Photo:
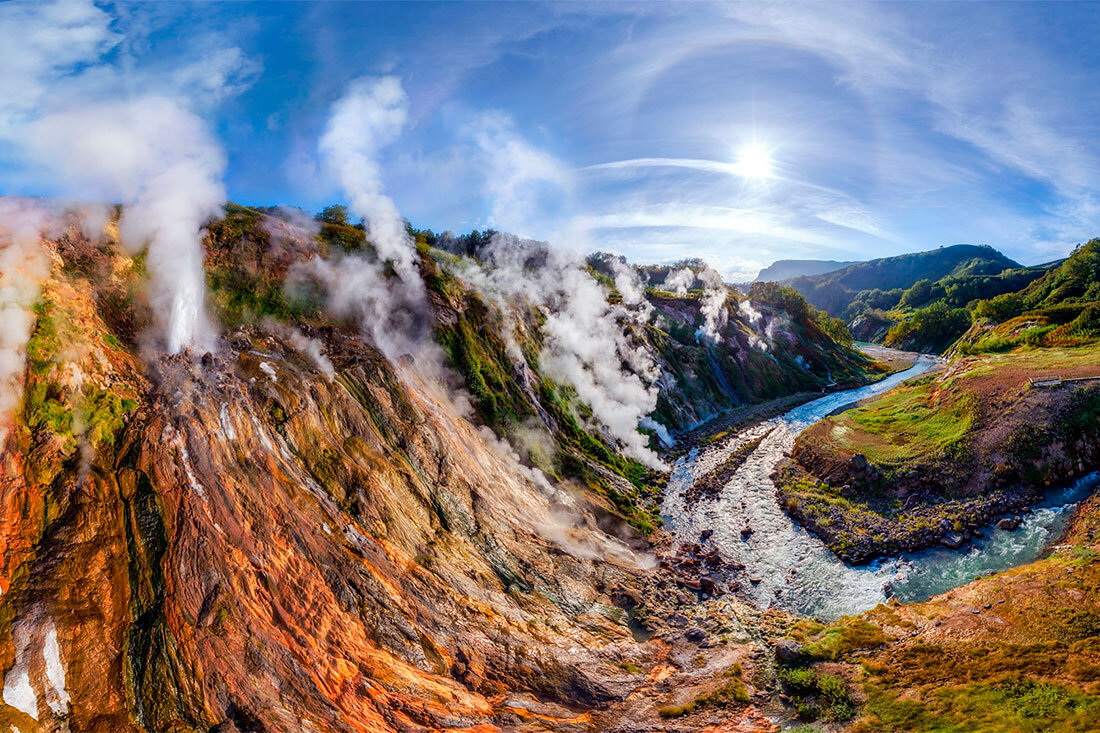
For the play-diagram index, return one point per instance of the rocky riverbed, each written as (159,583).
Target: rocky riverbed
(788,567)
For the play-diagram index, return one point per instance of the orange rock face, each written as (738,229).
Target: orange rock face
(253,540)
(259,547)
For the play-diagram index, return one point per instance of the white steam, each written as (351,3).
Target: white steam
(23,266)
(756,320)
(713,306)
(394,310)
(678,281)
(159,160)
(632,290)
(587,341)
(754,316)
(309,347)
(367,118)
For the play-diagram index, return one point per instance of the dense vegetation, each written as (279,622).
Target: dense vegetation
(875,282)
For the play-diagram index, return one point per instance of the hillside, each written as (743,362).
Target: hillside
(786,269)
(1061,308)
(945,454)
(836,291)
(930,316)
(1044,305)
(298,531)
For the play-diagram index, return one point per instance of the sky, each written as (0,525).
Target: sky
(738,133)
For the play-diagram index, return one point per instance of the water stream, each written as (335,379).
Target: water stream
(796,571)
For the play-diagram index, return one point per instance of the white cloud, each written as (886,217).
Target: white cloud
(529,188)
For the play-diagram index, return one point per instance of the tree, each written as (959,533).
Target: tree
(919,293)
(334,214)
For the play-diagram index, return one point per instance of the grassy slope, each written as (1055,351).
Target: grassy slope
(1047,305)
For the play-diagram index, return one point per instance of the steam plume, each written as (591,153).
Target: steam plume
(366,119)
(160,161)
(679,281)
(585,342)
(712,305)
(23,266)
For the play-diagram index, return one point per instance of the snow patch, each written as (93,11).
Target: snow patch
(56,696)
(18,692)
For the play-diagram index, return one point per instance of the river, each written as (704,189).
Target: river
(796,571)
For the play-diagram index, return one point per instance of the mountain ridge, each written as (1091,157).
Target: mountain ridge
(781,270)
(834,291)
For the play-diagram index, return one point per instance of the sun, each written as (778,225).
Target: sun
(754,161)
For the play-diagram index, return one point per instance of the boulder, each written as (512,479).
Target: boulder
(788,651)
(695,634)
(954,540)
(1008,523)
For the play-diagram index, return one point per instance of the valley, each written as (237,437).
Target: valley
(534,367)
(306,528)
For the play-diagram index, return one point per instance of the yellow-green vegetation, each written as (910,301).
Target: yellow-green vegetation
(917,419)
(935,414)
(55,402)
(1008,703)
(1017,651)
(243,277)
(817,694)
(945,453)
(725,695)
(830,642)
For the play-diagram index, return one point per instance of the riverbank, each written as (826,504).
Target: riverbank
(1015,650)
(778,563)
(735,419)
(939,459)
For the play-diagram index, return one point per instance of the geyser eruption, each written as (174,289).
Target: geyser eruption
(159,160)
(369,116)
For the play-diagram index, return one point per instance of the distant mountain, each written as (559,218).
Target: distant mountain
(835,291)
(787,269)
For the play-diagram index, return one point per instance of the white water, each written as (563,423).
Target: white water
(796,570)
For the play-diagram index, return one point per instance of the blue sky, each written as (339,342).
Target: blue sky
(886,127)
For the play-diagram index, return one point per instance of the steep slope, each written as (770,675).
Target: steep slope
(293,532)
(786,269)
(836,291)
(929,316)
(1062,308)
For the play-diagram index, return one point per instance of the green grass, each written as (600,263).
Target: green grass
(817,694)
(1013,702)
(52,406)
(907,423)
(835,641)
